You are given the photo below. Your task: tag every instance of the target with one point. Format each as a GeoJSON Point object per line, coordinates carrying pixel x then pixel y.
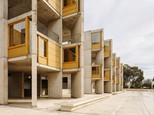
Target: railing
{"type": "Point", "coordinates": [48, 52]}
{"type": "Point", "coordinates": [70, 7]}
{"type": "Point", "coordinates": [96, 71]}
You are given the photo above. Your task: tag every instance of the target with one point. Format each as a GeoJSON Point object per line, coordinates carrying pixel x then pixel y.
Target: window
{"type": "Point", "coordinates": [69, 2]}
{"type": "Point", "coordinates": [95, 38]}
{"type": "Point", "coordinates": [17, 34]}
{"type": "Point", "coordinates": [69, 54]}
{"type": "Point", "coordinates": [43, 48]}
{"type": "Point", "coordinates": [95, 70]}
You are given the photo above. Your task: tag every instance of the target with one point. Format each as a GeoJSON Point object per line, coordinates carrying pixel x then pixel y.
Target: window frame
{"type": "Point", "coordinates": [27, 33]}
{"type": "Point", "coordinates": [99, 37]}
{"type": "Point", "coordinates": [46, 42]}
{"type": "Point", "coordinates": [76, 50]}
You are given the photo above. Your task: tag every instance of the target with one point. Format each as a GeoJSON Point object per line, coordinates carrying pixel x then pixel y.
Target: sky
{"type": "Point", "coordinates": [130, 23]}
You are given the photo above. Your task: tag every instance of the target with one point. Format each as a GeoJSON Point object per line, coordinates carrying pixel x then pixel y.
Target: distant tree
{"type": "Point", "coordinates": [147, 84]}
{"type": "Point", "coordinates": [134, 75]}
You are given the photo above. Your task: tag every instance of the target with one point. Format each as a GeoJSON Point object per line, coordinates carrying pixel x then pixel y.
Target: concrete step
{"type": "Point", "coordinates": [117, 92]}
{"type": "Point", "coordinates": [80, 103]}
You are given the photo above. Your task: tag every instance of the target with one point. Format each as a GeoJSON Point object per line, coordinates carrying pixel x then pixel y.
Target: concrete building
{"type": "Point", "coordinates": [108, 66]}
{"type": "Point", "coordinates": [119, 75]}
{"type": "Point", "coordinates": [94, 62]}
{"type": "Point", "coordinates": [42, 41]}
{"type": "Point", "coordinates": [113, 72]}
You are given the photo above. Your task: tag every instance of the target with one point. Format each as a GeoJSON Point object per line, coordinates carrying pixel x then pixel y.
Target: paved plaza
{"type": "Point", "coordinates": [127, 103]}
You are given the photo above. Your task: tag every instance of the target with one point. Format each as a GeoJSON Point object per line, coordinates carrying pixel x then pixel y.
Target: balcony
{"type": "Point", "coordinates": [19, 38]}
{"type": "Point", "coordinates": [96, 71]}
{"type": "Point", "coordinates": [107, 74]}
{"type": "Point", "coordinates": [96, 39]}
{"type": "Point", "coordinates": [48, 52]}
{"type": "Point", "coordinates": [70, 7]}
{"type": "Point", "coordinates": [71, 56]}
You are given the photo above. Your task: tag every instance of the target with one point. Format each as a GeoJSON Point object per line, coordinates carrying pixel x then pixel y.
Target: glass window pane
{"type": "Point", "coordinates": [17, 34]}
{"type": "Point", "coordinates": [42, 48]}
{"type": "Point", "coordinates": [69, 54]}
{"type": "Point", "coordinates": [95, 37]}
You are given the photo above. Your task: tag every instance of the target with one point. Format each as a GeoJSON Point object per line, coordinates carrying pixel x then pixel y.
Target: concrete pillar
{"type": "Point", "coordinates": [55, 85]}
{"type": "Point", "coordinates": [77, 85]}
{"type": "Point", "coordinates": [107, 87]}
{"type": "Point", "coordinates": [3, 52]}
{"type": "Point", "coordinates": [34, 53]}
{"type": "Point", "coordinates": [98, 86]}
{"type": "Point", "coordinates": [87, 64]}
{"type": "Point", "coordinates": [69, 82]}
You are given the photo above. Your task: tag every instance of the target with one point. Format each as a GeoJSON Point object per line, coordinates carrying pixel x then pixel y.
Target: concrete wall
{"type": "Point", "coordinates": [18, 7]}
{"type": "Point", "coordinates": [108, 65]}
{"type": "Point", "coordinates": [87, 63]}
{"type": "Point", "coordinates": [3, 52]}
{"type": "Point", "coordinates": [114, 72]}
{"type": "Point", "coordinates": [16, 85]}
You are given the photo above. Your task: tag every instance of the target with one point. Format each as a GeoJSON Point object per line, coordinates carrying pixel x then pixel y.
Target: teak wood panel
{"type": "Point", "coordinates": [107, 75]}
{"type": "Point", "coordinates": [41, 59]}
{"type": "Point", "coordinates": [55, 4]}
{"type": "Point", "coordinates": [20, 49]}
{"type": "Point", "coordinates": [53, 54]}
{"type": "Point", "coordinates": [96, 46]}
{"type": "Point", "coordinates": [71, 8]}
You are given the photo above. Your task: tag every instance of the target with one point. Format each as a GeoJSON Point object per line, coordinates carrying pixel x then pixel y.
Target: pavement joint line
{"type": "Point", "coordinates": [118, 108]}
{"type": "Point", "coordinates": [143, 103]}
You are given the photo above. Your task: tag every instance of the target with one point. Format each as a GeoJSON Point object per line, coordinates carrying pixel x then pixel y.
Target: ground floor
{"type": "Point", "coordinates": [126, 103]}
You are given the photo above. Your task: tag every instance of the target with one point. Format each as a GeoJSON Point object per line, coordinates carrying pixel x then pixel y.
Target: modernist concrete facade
{"type": "Point", "coordinates": [42, 40]}
{"type": "Point", "coordinates": [108, 70]}
{"type": "Point", "coordinates": [103, 72]}
{"type": "Point", "coordinates": [43, 43]}
{"type": "Point", "coordinates": [94, 62]}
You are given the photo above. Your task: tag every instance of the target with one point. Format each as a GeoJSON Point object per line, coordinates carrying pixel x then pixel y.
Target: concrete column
{"type": "Point", "coordinates": [77, 85]}
{"type": "Point", "coordinates": [69, 82]}
{"type": "Point", "coordinates": [87, 63]}
{"type": "Point", "coordinates": [34, 53]}
{"type": "Point", "coordinates": [55, 85]}
{"type": "Point", "coordinates": [98, 86]}
{"type": "Point", "coordinates": [108, 87]}
{"type": "Point", "coordinates": [3, 52]}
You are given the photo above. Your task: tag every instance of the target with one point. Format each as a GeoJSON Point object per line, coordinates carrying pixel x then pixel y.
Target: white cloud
{"type": "Point", "coordinates": [130, 23]}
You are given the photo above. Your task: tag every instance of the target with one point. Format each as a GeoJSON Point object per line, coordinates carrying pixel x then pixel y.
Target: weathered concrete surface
{"type": "Point", "coordinates": [127, 103]}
